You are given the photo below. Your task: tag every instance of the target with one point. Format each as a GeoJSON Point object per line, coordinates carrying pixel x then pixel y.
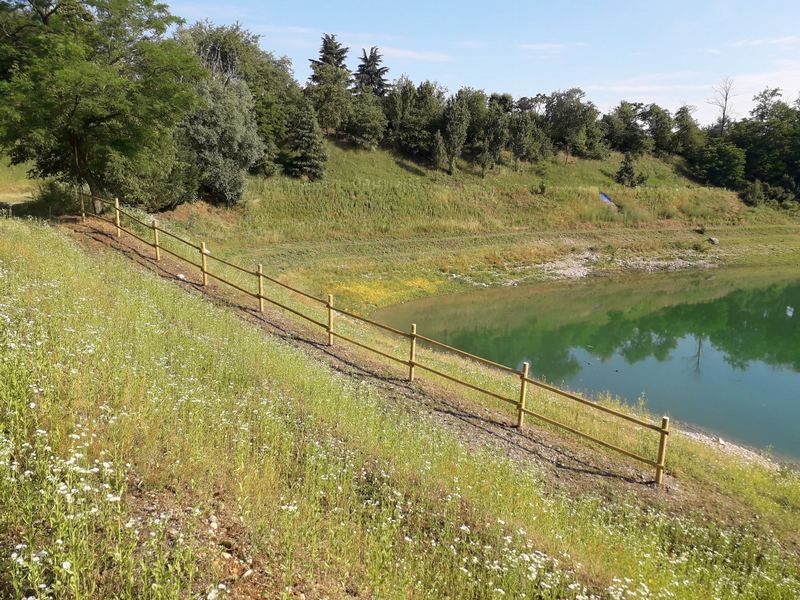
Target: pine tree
{"type": "Point", "coordinates": [307, 145]}
{"type": "Point", "coordinates": [370, 75]}
{"type": "Point", "coordinates": [330, 53]}
{"type": "Point", "coordinates": [627, 175]}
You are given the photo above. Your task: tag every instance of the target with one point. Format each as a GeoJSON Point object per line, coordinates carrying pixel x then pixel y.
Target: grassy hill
{"type": "Point", "coordinates": [380, 229]}
{"type": "Point", "coordinates": [14, 185]}
{"type": "Point", "coordinates": [155, 445]}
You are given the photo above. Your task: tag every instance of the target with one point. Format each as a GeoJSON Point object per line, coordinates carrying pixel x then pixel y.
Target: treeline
{"type": "Point", "coordinates": [98, 93]}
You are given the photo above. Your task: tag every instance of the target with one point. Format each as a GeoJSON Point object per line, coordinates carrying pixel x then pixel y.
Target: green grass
{"type": "Point", "coordinates": [14, 184]}
{"type": "Point", "coordinates": [334, 490]}
{"type": "Point", "coordinates": [380, 229]}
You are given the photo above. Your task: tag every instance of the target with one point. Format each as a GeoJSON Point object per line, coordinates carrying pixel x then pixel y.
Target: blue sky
{"type": "Point", "coordinates": [665, 52]}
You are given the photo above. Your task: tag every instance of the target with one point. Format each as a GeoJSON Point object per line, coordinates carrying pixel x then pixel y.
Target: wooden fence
{"type": "Point", "coordinates": [412, 363]}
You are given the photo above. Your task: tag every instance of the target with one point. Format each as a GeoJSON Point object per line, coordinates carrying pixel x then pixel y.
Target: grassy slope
{"type": "Point", "coordinates": [14, 185]}
{"type": "Point", "coordinates": [335, 492]}
{"type": "Point", "coordinates": [379, 230]}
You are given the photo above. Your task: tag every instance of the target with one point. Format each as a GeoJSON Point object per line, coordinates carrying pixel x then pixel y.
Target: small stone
{"type": "Point", "coordinates": [181, 276]}
{"type": "Point", "coordinates": [713, 241]}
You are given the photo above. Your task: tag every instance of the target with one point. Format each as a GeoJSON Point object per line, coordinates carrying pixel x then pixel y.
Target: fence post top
{"type": "Point", "coordinates": [260, 268]}
{"type": "Point", "coordinates": [330, 298]}
{"type": "Point", "coordinates": [525, 367]}
{"type": "Point", "coordinates": [413, 328]}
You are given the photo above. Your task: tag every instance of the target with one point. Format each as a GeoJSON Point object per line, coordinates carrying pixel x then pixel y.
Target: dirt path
{"type": "Point", "coordinates": [566, 465]}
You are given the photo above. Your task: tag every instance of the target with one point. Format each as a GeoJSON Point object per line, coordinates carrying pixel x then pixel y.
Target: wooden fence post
{"type": "Point", "coordinates": [83, 207]}
{"type": "Point", "coordinates": [116, 216]}
{"type": "Point", "coordinates": [662, 450]}
{"type": "Point", "coordinates": [156, 245]}
{"type": "Point", "coordinates": [523, 393]}
{"type": "Point", "coordinates": [330, 319]}
{"type": "Point", "coordinates": [412, 354]}
{"type": "Point", "coordinates": [204, 262]}
{"type": "Point", "coordinates": [260, 275]}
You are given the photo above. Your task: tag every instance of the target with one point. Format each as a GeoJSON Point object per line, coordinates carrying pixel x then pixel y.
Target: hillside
{"type": "Point", "coordinates": [225, 458]}
{"type": "Point", "coordinates": [380, 229]}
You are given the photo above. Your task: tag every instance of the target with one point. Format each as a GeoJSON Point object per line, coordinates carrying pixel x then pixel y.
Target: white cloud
{"type": "Point", "coordinates": [654, 82]}
{"type": "Point", "coordinates": [197, 11]}
{"type": "Point", "coordinates": [470, 44]}
{"type": "Point", "coordinates": [415, 55]}
{"type": "Point", "coordinates": [551, 46]}
{"type": "Point", "coordinates": [286, 29]}
{"type": "Point", "coordinates": [786, 40]}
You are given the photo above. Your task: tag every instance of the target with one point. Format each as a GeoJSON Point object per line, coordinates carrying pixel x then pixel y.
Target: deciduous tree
{"type": "Point", "coordinates": [89, 83]}
{"type": "Point", "coordinates": [456, 124]}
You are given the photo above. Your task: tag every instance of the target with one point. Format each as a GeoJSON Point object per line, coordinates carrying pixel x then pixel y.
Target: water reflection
{"type": "Point", "coordinates": [694, 344]}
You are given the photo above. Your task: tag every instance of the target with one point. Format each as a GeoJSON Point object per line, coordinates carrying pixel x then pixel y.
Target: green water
{"type": "Point", "coordinates": [717, 348]}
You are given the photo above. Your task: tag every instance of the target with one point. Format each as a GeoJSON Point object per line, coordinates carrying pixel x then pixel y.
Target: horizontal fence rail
{"type": "Point", "coordinates": [412, 362]}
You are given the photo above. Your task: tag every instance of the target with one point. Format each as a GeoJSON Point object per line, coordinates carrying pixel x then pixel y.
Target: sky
{"type": "Point", "coordinates": [671, 53]}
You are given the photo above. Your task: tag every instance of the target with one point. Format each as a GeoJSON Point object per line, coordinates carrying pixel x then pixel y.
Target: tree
{"type": "Point", "coordinates": [688, 139]}
{"type": "Point", "coordinates": [627, 175]}
{"type": "Point", "coordinates": [720, 163]}
{"type": "Point", "coordinates": [659, 127]}
{"type": "Point", "coordinates": [456, 124]}
{"type": "Point", "coordinates": [439, 155]}
{"type": "Point", "coordinates": [223, 136]}
{"type": "Point", "coordinates": [505, 102]}
{"type": "Point", "coordinates": [330, 53]}
{"type": "Point", "coordinates": [306, 145]}
{"type": "Point", "coordinates": [370, 75]}
{"type": "Point", "coordinates": [494, 138]}
{"type": "Point", "coordinates": [397, 105]}
{"type": "Point", "coordinates": [477, 104]}
{"type": "Point", "coordinates": [89, 86]}
{"type": "Point", "coordinates": [329, 94]}
{"type": "Point", "coordinates": [572, 124]}
{"type": "Point", "coordinates": [365, 123]}
{"type": "Point", "coordinates": [624, 130]}
{"type": "Point", "coordinates": [234, 53]}
{"type": "Point", "coordinates": [534, 105]}
{"type": "Point", "coordinates": [528, 141]}
{"type": "Point", "coordinates": [723, 92]}
{"type": "Point", "coordinates": [414, 116]}
{"type": "Point", "coordinates": [770, 139]}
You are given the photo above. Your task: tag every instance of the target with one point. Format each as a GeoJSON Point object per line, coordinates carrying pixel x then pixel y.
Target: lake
{"type": "Point", "coordinates": [716, 348]}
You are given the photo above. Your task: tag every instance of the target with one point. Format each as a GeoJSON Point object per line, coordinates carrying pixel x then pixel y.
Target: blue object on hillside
{"type": "Point", "coordinates": [605, 198]}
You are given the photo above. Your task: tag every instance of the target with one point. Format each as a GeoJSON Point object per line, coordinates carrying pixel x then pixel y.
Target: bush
{"type": "Point", "coordinates": [365, 122]}
{"type": "Point", "coordinates": [222, 138]}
